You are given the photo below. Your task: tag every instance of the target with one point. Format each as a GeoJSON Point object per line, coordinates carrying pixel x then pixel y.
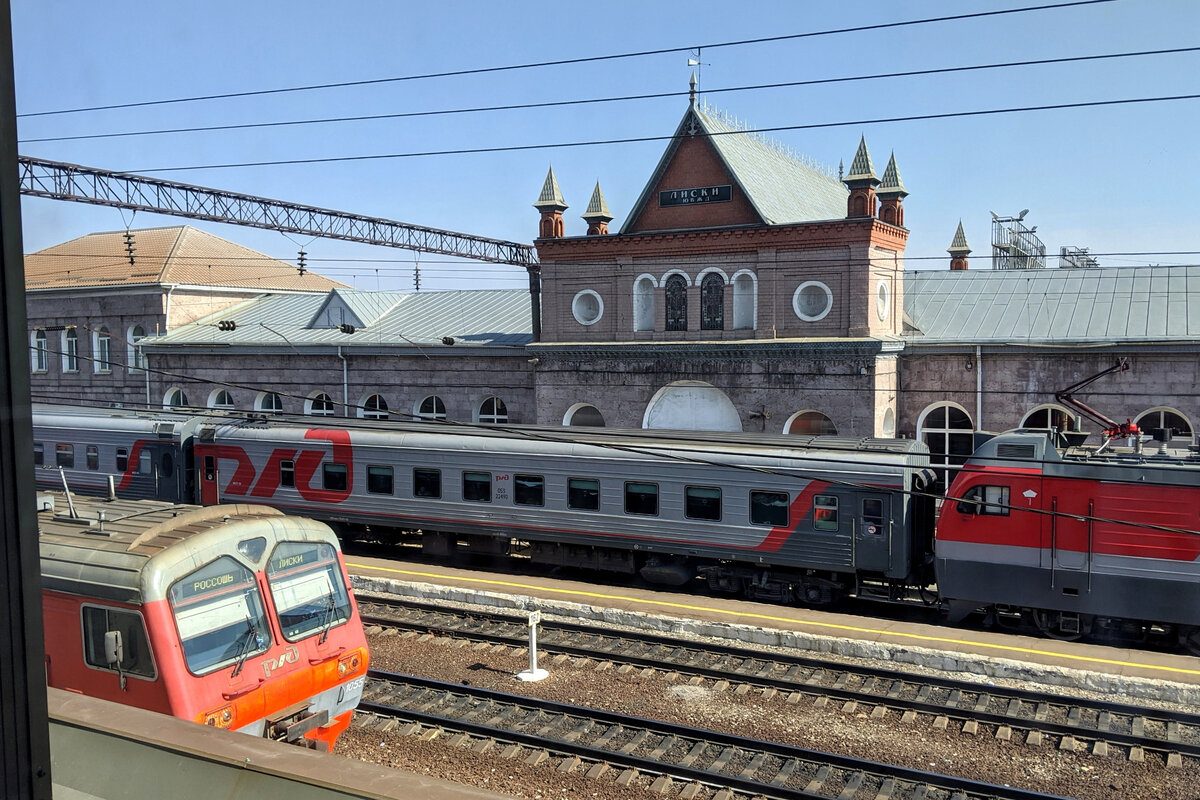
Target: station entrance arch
{"type": "Point", "coordinates": [691, 405]}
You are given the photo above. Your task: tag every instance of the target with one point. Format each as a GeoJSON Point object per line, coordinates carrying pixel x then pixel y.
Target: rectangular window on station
{"type": "Point", "coordinates": [477, 487]}
{"type": "Point", "coordinates": [769, 508]}
{"type": "Point", "coordinates": [93, 457]}
{"type": "Point", "coordinates": [287, 473]}
{"type": "Point", "coordinates": [825, 512]}
{"type": "Point", "coordinates": [379, 479]}
{"type": "Point", "coordinates": [335, 477]}
{"type": "Point", "coordinates": [64, 455]}
{"type": "Point", "coordinates": [583, 494]}
{"type": "Point", "coordinates": [702, 502]}
{"type": "Point", "coordinates": [529, 490]}
{"type": "Point", "coordinates": [641, 498]}
{"type": "Point", "coordinates": [427, 483]}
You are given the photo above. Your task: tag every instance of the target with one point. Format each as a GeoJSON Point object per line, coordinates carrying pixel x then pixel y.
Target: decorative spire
{"type": "Point", "coordinates": [597, 215]}
{"type": "Point", "coordinates": [551, 197]}
{"type": "Point", "coordinates": [862, 168]}
{"type": "Point", "coordinates": [959, 246]}
{"type": "Point", "coordinates": [892, 184]}
{"type": "Point", "coordinates": [693, 85]}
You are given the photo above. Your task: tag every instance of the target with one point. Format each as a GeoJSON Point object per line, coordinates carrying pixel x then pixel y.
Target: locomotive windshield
{"type": "Point", "coordinates": [307, 587]}
{"type": "Point", "coordinates": [220, 615]}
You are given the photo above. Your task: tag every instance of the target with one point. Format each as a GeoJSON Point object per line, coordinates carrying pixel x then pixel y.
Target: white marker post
{"type": "Point", "coordinates": [533, 673]}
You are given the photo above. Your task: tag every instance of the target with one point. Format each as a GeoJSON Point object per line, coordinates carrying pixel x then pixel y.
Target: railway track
{"type": "Point", "coordinates": [693, 763]}
{"type": "Point", "coordinates": [1070, 723]}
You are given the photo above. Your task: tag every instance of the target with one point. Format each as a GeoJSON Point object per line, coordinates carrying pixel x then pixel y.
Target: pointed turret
{"type": "Point", "coordinates": [861, 182]}
{"type": "Point", "coordinates": [693, 85]}
{"type": "Point", "coordinates": [550, 202]}
{"type": "Point", "coordinates": [891, 194]}
{"type": "Point", "coordinates": [959, 249]}
{"type": "Point", "coordinates": [597, 215]}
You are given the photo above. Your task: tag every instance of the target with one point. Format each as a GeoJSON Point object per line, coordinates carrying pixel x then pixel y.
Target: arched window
{"type": "Point", "coordinates": [374, 407]}
{"type": "Point", "coordinates": [643, 304]}
{"type": "Point", "coordinates": [1182, 432]}
{"type": "Point", "coordinates": [221, 399]}
{"type": "Point", "coordinates": [101, 350]}
{"type": "Point", "coordinates": [137, 359]}
{"type": "Point", "coordinates": [745, 298]}
{"type": "Point", "coordinates": [70, 356]}
{"type": "Point", "coordinates": [431, 407]}
{"type": "Point", "coordinates": [1048, 417]}
{"type": "Point", "coordinates": [583, 415]}
{"type": "Point", "coordinates": [319, 404]}
{"type": "Point", "coordinates": [175, 398]}
{"type": "Point", "coordinates": [270, 402]}
{"type": "Point", "coordinates": [676, 300]}
{"type": "Point", "coordinates": [493, 411]}
{"type": "Point", "coordinates": [712, 303]}
{"type": "Point", "coordinates": [41, 361]}
{"type": "Point", "coordinates": [810, 423]}
{"type": "Point", "coordinates": [948, 431]}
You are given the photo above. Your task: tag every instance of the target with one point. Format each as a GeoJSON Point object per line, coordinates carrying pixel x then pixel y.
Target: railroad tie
{"type": "Point", "coordinates": [1074, 715]}
{"type": "Point", "coordinates": [852, 786]}
{"type": "Point", "coordinates": [1104, 722]}
{"type": "Point", "coordinates": [692, 754]}
{"type": "Point", "coordinates": [607, 737]}
{"type": "Point", "coordinates": [661, 785]}
{"type": "Point", "coordinates": [664, 745]}
{"type": "Point", "coordinates": [814, 786]}
{"type": "Point", "coordinates": [1138, 727]}
{"type": "Point", "coordinates": [895, 689]}
{"type": "Point", "coordinates": [578, 731]}
{"type": "Point", "coordinates": [635, 742]}
{"type": "Point", "coordinates": [886, 789]}
{"type": "Point", "coordinates": [569, 763]}
{"type": "Point", "coordinates": [1172, 731]}
{"type": "Point", "coordinates": [1043, 710]}
{"type": "Point", "coordinates": [982, 702]}
{"type": "Point", "coordinates": [722, 760]}
{"type": "Point", "coordinates": [754, 766]}
{"type": "Point", "coordinates": [690, 791]}
{"type": "Point", "coordinates": [785, 772]}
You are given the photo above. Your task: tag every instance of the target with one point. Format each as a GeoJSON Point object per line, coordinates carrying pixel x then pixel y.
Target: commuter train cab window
{"type": "Point", "coordinates": [583, 494]}
{"type": "Point", "coordinates": [641, 498]}
{"type": "Point", "coordinates": [477, 487]}
{"type": "Point", "coordinates": [287, 473]}
{"type": "Point", "coordinates": [220, 615]}
{"type": "Point", "coordinates": [702, 502]}
{"type": "Point", "coordinates": [529, 490]}
{"type": "Point", "coordinates": [379, 479]}
{"type": "Point", "coordinates": [769, 508]}
{"type": "Point", "coordinates": [989, 500]}
{"type": "Point", "coordinates": [64, 455]}
{"type": "Point", "coordinates": [39, 454]}
{"type": "Point", "coordinates": [307, 587]}
{"type": "Point", "coordinates": [93, 457]}
{"type": "Point", "coordinates": [335, 476]}
{"type": "Point", "coordinates": [135, 657]}
{"type": "Point", "coordinates": [427, 483]}
{"type": "Point", "coordinates": [825, 512]}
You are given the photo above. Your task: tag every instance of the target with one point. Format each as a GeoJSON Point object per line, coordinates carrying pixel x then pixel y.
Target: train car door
{"type": "Point", "coordinates": [1071, 528]}
{"type": "Point", "coordinates": [210, 493]}
{"type": "Point", "coordinates": [872, 533]}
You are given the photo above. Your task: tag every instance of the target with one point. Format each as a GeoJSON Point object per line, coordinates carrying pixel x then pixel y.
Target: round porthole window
{"type": "Point", "coordinates": [882, 300]}
{"type": "Point", "coordinates": [812, 301]}
{"type": "Point", "coordinates": [587, 307]}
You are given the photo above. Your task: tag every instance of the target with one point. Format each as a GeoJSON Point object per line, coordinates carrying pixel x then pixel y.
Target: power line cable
{"type": "Point", "coordinates": [646, 139]}
{"type": "Point", "coordinates": [580, 60]}
{"type": "Point", "coordinates": [598, 100]}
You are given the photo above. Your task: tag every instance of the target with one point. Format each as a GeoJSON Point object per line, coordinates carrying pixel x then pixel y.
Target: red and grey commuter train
{"type": "Point", "coordinates": [235, 616]}
{"type": "Point", "coordinates": [1071, 538]}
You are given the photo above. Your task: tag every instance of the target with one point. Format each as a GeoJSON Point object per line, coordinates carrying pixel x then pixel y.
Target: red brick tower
{"type": "Point", "coordinates": [861, 182]}
{"type": "Point", "coordinates": [959, 249]}
{"type": "Point", "coordinates": [891, 195]}
{"type": "Point", "coordinates": [552, 206]}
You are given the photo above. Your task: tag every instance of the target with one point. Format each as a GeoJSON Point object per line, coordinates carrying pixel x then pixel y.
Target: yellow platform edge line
{"type": "Point", "coordinates": [789, 620]}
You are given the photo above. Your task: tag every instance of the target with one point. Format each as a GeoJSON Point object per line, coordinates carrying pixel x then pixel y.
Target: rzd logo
{"type": "Point", "coordinates": [288, 656]}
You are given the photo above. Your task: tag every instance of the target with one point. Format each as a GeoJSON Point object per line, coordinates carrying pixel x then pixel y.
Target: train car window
{"type": "Point", "coordinates": [122, 459]}
{"type": "Point", "coordinates": [477, 487]}
{"type": "Point", "coordinates": [641, 498]}
{"type": "Point", "coordinates": [145, 462]}
{"type": "Point", "coordinates": [990, 500]}
{"type": "Point", "coordinates": [93, 457]}
{"type": "Point", "coordinates": [220, 616]}
{"type": "Point", "coordinates": [39, 454]}
{"type": "Point", "coordinates": [769, 508]}
{"type": "Point", "coordinates": [583, 494]}
{"type": "Point", "coordinates": [135, 644]}
{"type": "Point", "coordinates": [529, 490]}
{"type": "Point", "coordinates": [64, 455]}
{"type": "Point", "coordinates": [335, 477]}
{"type": "Point", "coordinates": [287, 473]}
{"type": "Point", "coordinates": [379, 479]}
{"type": "Point", "coordinates": [307, 588]}
{"type": "Point", "coordinates": [825, 512]}
{"type": "Point", "coordinates": [210, 468]}
{"type": "Point", "coordinates": [872, 515]}
{"type": "Point", "coordinates": [427, 483]}
{"type": "Point", "coordinates": [702, 502]}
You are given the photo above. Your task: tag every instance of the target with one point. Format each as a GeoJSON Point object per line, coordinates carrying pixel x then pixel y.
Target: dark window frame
{"type": "Point", "coordinates": [521, 496]}
{"type": "Point", "coordinates": [712, 302]}
{"type": "Point", "coordinates": [688, 511]}
{"type": "Point", "coordinates": [372, 479]}
{"type": "Point", "coordinates": [472, 495]}
{"type": "Point", "coordinates": [633, 508]}
{"type": "Point", "coordinates": [975, 501]}
{"type": "Point", "coordinates": [332, 469]}
{"type": "Point", "coordinates": [421, 476]}
{"type": "Point", "coordinates": [64, 456]}
{"type": "Point", "coordinates": [287, 473]}
{"type": "Point", "coordinates": [587, 492]}
{"type": "Point", "coordinates": [139, 645]}
{"type": "Point", "coordinates": [769, 507]}
{"type": "Point", "coordinates": [675, 302]}
{"type": "Point", "coordinates": [823, 519]}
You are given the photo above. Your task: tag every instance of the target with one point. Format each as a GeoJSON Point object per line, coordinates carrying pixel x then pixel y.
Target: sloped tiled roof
{"type": "Point", "coordinates": [1120, 304]}
{"type": "Point", "coordinates": [551, 196]}
{"type": "Point", "coordinates": [176, 255]}
{"type": "Point", "coordinates": [488, 317]}
{"type": "Point", "coordinates": [597, 207]}
{"type": "Point", "coordinates": [781, 189]}
{"type": "Point", "coordinates": [959, 243]}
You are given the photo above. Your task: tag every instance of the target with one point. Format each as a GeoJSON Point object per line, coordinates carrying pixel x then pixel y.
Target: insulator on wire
{"type": "Point", "coordinates": [129, 248]}
{"type": "Point", "coordinates": [346, 328]}
{"type": "Point", "coordinates": [301, 261]}
{"type": "Point", "coordinates": [226, 325]}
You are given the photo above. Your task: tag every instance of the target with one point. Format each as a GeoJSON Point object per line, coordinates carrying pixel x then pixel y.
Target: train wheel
{"type": "Point", "coordinates": [1063, 627]}
{"type": "Point", "coordinates": [1189, 638]}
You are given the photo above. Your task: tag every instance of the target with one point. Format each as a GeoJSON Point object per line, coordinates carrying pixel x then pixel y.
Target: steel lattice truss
{"type": "Point", "coordinates": [59, 181]}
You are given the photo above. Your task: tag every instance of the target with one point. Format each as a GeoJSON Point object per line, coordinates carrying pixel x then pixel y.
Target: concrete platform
{"type": "Point", "coordinates": [1128, 672]}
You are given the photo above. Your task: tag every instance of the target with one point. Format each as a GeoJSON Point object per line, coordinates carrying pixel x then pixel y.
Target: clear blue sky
{"type": "Point", "coordinates": [1113, 179]}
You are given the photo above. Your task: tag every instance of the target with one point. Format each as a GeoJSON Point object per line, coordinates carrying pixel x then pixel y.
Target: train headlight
{"type": "Point", "coordinates": [219, 718]}
{"type": "Point", "coordinates": [350, 665]}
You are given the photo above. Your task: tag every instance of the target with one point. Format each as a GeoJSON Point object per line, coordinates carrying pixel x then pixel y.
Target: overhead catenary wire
{"type": "Point", "coordinates": [577, 60]}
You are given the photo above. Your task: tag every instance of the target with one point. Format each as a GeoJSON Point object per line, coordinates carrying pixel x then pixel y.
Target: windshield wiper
{"type": "Point", "coordinates": [328, 620]}
{"type": "Point", "coordinates": [249, 640]}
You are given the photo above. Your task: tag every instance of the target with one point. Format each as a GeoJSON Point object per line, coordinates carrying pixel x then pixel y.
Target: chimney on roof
{"type": "Point", "coordinates": [959, 249]}
{"type": "Point", "coordinates": [597, 215]}
{"type": "Point", "coordinates": [861, 181]}
{"type": "Point", "coordinates": [891, 194]}
{"type": "Point", "coordinates": [551, 204]}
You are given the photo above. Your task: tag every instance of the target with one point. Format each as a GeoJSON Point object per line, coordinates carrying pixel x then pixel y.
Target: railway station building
{"type": "Point", "coordinates": [745, 290]}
